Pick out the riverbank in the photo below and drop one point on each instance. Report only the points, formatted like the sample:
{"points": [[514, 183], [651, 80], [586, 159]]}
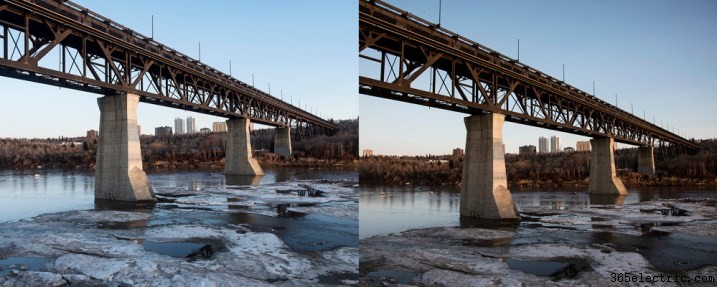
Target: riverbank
{"points": [[629, 179], [266, 161]]}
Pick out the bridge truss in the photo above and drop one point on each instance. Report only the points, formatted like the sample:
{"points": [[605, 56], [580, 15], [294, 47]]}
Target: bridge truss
{"points": [[464, 76], [101, 56]]}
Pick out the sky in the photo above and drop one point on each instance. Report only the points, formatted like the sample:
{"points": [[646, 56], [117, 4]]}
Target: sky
{"points": [[657, 56], [306, 50]]}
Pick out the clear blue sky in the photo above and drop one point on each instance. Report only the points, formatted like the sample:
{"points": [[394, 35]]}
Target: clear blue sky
{"points": [[307, 49], [661, 56]]}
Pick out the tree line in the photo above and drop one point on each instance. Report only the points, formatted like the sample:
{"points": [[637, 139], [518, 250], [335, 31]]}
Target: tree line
{"points": [[181, 150], [552, 169]]}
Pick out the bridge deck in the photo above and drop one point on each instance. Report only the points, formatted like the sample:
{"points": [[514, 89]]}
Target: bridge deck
{"points": [[101, 56], [471, 78]]}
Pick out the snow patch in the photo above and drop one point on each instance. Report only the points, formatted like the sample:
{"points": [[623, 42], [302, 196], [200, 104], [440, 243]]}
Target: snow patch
{"points": [[181, 232], [267, 257], [107, 216], [95, 267]]}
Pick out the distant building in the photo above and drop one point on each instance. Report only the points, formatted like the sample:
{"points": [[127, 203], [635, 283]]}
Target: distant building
{"points": [[555, 144], [367, 152], [179, 126], [205, 131], [457, 152], [191, 125], [91, 135], [71, 144], [219, 127], [543, 145], [163, 131], [583, 146], [569, 149], [526, 149]]}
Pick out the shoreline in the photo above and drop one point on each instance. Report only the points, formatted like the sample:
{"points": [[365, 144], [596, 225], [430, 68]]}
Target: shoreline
{"points": [[311, 163], [656, 182]]}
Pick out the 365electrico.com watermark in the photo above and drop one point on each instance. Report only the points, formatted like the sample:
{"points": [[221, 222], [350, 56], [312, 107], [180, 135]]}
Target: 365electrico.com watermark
{"points": [[639, 277]]}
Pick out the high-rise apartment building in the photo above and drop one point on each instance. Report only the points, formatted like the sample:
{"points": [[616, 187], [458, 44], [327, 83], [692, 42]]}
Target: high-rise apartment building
{"points": [[555, 144], [191, 125], [526, 149], [92, 135], [218, 127], [583, 146], [179, 126], [543, 145], [163, 131], [367, 152]]}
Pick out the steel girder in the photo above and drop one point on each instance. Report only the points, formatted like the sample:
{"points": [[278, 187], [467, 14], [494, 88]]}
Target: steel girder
{"points": [[467, 77], [101, 56]]}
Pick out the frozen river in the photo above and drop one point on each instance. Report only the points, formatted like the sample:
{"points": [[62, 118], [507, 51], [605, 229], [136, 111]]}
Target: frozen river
{"points": [[414, 235], [291, 227]]}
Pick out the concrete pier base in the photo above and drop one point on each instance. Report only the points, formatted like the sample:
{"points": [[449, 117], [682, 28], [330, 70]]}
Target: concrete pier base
{"points": [[603, 179], [238, 159], [118, 173], [645, 160], [484, 189], [282, 141]]}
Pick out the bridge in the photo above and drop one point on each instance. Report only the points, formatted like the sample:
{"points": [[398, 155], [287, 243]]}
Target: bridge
{"points": [[467, 77], [98, 55]]}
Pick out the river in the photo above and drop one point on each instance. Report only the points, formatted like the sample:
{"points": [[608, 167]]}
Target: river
{"points": [[414, 235], [290, 226]]}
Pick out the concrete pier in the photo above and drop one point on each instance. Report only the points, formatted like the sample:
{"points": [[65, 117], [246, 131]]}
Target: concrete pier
{"points": [[645, 160], [282, 141], [119, 174], [238, 159], [484, 189], [603, 179]]}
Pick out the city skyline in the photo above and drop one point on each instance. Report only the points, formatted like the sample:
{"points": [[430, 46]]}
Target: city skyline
{"points": [[258, 56], [632, 62]]}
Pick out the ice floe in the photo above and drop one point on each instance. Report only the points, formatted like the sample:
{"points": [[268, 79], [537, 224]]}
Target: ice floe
{"points": [[106, 247], [452, 256]]}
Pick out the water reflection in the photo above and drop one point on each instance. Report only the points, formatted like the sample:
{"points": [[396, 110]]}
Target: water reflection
{"points": [[474, 222], [389, 209], [392, 209], [608, 199], [29, 192], [25, 193], [142, 206], [244, 180], [283, 175]]}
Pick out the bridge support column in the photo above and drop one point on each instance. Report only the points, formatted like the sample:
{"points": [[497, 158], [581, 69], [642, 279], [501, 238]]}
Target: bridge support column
{"points": [[282, 141], [484, 188], [645, 160], [238, 159], [603, 179], [119, 174]]}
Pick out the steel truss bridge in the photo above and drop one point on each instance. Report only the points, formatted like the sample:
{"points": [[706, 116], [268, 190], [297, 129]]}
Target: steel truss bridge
{"points": [[467, 77], [100, 56]]}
